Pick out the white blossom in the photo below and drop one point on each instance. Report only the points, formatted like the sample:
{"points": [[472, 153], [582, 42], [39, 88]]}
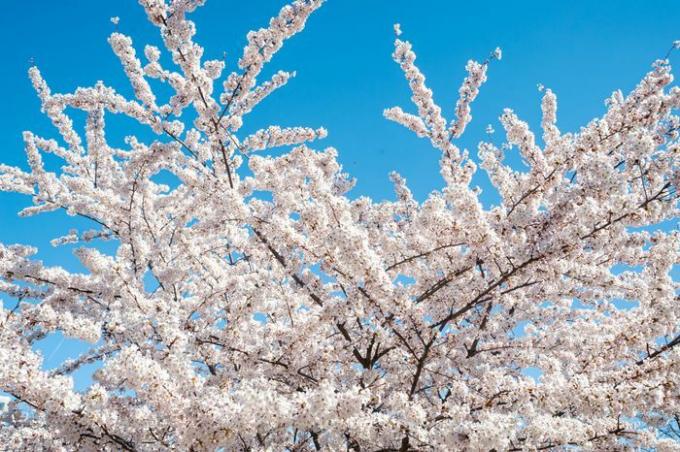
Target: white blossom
{"points": [[252, 304]]}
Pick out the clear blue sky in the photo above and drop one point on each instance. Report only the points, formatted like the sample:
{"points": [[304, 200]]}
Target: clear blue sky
{"points": [[583, 50]]}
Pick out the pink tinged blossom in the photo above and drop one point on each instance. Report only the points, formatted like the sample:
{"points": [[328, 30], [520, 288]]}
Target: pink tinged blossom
{"points": [[467, 94]]}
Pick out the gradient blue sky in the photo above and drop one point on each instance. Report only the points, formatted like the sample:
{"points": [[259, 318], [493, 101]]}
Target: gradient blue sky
{"points": [[583, 50]]}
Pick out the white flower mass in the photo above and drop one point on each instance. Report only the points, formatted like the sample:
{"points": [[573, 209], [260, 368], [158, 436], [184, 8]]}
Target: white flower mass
{"points": [[288, 316]]}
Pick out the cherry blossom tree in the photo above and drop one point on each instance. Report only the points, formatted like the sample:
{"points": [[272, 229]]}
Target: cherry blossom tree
{"points": [[286, 315]]}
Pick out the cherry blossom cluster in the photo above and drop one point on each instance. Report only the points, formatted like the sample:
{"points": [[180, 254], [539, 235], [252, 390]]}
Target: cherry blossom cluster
{"points": [[255, 305]]}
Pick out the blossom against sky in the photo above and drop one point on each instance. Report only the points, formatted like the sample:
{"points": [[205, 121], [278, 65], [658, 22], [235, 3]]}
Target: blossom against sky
{"points": [[345, 75], [260, 304]]}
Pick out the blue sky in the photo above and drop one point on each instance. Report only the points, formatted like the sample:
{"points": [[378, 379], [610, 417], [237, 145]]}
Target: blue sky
{"points": [[583, 50]]}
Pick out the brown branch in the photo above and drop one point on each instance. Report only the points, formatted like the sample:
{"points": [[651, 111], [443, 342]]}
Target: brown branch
{"points": [[205, 104], [530, 192], [417, 256], [281, 260], [661, 350], [440, 284], [420, 365], [482, 296]]}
